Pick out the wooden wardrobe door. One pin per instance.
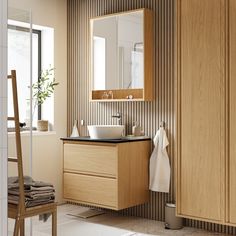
(201, 76)
(232, 96)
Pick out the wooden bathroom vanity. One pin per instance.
(110, 174)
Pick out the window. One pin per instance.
(19, 60)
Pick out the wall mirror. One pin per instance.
(121, 64)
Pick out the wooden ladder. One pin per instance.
(19, 212)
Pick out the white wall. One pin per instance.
(3, 112)
(47, 149)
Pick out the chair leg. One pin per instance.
(54, 223)
(17, 227)
(22, 227)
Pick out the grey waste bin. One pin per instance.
(171, 220)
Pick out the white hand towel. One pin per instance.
(159, 180)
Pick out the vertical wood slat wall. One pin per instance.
(148, 114)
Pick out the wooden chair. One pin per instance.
(20, 212)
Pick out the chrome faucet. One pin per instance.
(119, 117)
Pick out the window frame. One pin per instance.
(39, 33)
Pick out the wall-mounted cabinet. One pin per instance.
(107, 175)
(121, 65)
(206, 166)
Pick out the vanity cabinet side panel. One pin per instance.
(133, 162)
(232, 96)
(201, 166)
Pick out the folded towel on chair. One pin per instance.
(29, 183)
(36, 193)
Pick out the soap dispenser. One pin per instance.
(136, 129)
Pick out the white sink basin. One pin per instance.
(105, 131)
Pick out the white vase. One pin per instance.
(75, 132)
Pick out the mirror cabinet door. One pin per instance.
(118, 55)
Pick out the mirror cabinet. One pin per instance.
(121, 60)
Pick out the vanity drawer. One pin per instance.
(93, 190)
(91, 159)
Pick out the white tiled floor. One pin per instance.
(105, 225)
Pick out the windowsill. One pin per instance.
(35, 133)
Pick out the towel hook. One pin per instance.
(162, 124)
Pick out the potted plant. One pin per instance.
(43, 89)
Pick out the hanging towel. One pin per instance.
(159, 164)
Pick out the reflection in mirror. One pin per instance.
(130, 49)
(117, 52)
(99, 55)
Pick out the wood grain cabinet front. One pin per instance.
(113, 176)
(206, 85)
(93, 159)
(232, 114)
(91, 189)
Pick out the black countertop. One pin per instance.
(120, 140)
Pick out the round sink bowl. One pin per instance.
(105, 131)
